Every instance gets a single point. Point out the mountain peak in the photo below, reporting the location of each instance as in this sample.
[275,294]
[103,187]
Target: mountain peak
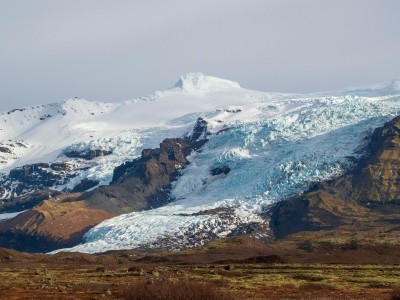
[200,83]
[76,101]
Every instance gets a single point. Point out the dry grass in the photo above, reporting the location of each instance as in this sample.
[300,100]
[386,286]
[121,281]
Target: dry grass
[335,269]
[246,281]
[181,290]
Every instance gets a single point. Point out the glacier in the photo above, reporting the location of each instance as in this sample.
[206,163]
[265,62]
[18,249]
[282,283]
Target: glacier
[275,146]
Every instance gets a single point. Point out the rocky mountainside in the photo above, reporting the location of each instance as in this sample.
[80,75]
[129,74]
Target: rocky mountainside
[368,192]
[143,183]
[204,160]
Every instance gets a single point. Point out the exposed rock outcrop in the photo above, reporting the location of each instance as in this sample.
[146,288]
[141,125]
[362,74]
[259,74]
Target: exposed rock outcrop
[87,154]
[35,177]
[199,132]
[9,150]
[5,150]
[145,182]
[28,201]
[220,170]
[84,185]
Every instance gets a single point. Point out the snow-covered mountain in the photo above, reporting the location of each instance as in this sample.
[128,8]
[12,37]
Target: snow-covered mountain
[262,148]
[49,133]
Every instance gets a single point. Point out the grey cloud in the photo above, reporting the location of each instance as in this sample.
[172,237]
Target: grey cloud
[116,50]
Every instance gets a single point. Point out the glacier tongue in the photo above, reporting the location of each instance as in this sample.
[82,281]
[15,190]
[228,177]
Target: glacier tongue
[259,152]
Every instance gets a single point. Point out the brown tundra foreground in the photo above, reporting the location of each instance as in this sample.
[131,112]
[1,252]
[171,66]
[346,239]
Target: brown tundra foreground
[307,265]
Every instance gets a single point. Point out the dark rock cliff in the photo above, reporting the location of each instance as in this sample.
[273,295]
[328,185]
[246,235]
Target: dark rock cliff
[34,177]
[145,182]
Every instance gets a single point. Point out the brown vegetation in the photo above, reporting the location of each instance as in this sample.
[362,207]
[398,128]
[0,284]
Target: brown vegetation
[181,290]
[395,295]
[238,267]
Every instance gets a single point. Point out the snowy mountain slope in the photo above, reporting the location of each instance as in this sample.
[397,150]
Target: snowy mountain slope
[376,90]
[263,148]
[124,129]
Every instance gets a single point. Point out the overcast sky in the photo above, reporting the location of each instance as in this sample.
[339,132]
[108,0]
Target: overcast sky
[116,50]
